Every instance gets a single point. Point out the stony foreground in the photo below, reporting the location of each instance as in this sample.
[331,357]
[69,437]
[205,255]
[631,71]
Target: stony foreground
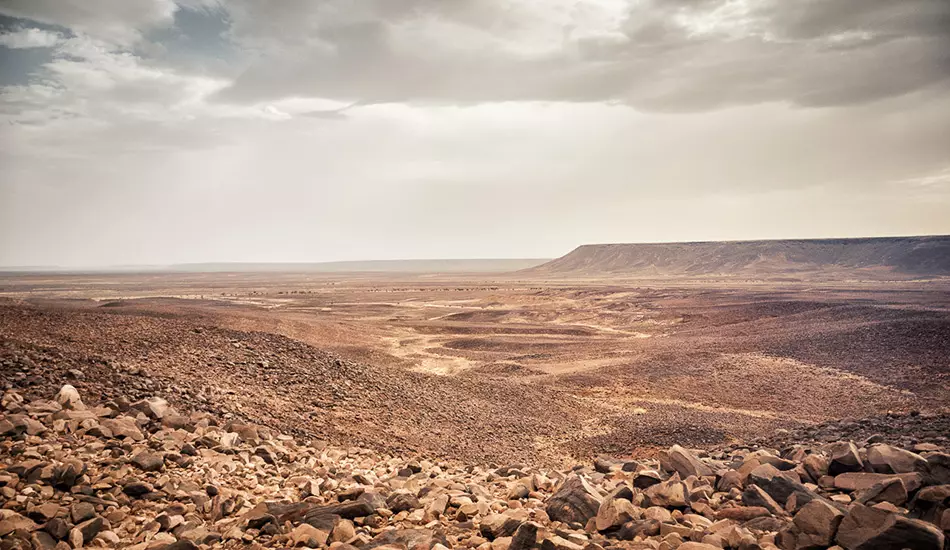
[140,475]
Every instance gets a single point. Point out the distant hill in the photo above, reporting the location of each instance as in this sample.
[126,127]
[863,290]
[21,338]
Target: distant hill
[907,256]
[490,265]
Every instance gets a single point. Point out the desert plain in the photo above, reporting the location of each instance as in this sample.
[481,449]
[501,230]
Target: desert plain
[494,367]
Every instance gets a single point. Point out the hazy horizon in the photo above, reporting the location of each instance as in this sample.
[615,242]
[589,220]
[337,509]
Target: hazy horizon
[162,132]
[366,261]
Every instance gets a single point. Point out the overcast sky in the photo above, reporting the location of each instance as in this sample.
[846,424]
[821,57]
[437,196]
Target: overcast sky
[156,131]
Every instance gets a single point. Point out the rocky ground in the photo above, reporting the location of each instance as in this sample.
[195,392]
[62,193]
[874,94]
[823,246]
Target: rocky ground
[109,471]
[272,380]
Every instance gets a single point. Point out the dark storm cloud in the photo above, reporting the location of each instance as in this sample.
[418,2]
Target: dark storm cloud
[667,56]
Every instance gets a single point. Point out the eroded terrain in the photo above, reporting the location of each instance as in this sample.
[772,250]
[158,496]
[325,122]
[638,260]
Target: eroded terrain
[489,369]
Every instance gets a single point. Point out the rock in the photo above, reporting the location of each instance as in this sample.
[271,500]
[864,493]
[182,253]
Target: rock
[178,422]
[518,491]
[613,513]
[343,531]
[308,536]
[638,528]
[201,535]
[416,539]
[258,517]
[670,494]
[68,397]
[816,466]
[889,490]
[149,462]
[137,488]
[123,427]
[678,459]
[155,408]
[67,473]
[646,478]
[82,511]
[554,542]
[525,537]
[44,512]
[885,459]
[929,501]
[88,529]
[865,528]
[755,496]
[401,502]
[8,428]
[349,510]
[780,485]
[814,526]
[498,525]
[372,501]
[604,464]
[938,469]
[742,513]
[15,522]
[575,502]
[42,540]
[698,546]
[855,481]
[729,480]
[844,458]
[58,528]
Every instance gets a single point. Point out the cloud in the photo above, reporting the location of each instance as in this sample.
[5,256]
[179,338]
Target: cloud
[115,21]
[30,38]
[670,56]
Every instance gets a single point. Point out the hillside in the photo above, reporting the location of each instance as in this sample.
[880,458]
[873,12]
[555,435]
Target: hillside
[910,256]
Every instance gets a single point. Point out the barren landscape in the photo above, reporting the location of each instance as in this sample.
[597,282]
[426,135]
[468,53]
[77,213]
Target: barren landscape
[569,405]
[491,369]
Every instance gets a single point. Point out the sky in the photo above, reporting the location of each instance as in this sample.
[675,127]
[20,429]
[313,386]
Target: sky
[164,131]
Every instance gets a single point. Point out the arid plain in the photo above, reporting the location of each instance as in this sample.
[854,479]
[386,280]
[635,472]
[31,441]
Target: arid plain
[494,367]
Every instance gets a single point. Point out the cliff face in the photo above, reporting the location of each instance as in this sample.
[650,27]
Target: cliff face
[916,256]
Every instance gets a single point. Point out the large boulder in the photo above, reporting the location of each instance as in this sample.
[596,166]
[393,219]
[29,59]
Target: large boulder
[781,485]
[845,458]
[613,513]
[68,397]
[575,502]
[930,502]
[889,490]
[886,459]
[814,526]
[816,466]
[672,493]
[867,528]
[856,481]
[755,496]
[525,538]
[678,459]
[938,469]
